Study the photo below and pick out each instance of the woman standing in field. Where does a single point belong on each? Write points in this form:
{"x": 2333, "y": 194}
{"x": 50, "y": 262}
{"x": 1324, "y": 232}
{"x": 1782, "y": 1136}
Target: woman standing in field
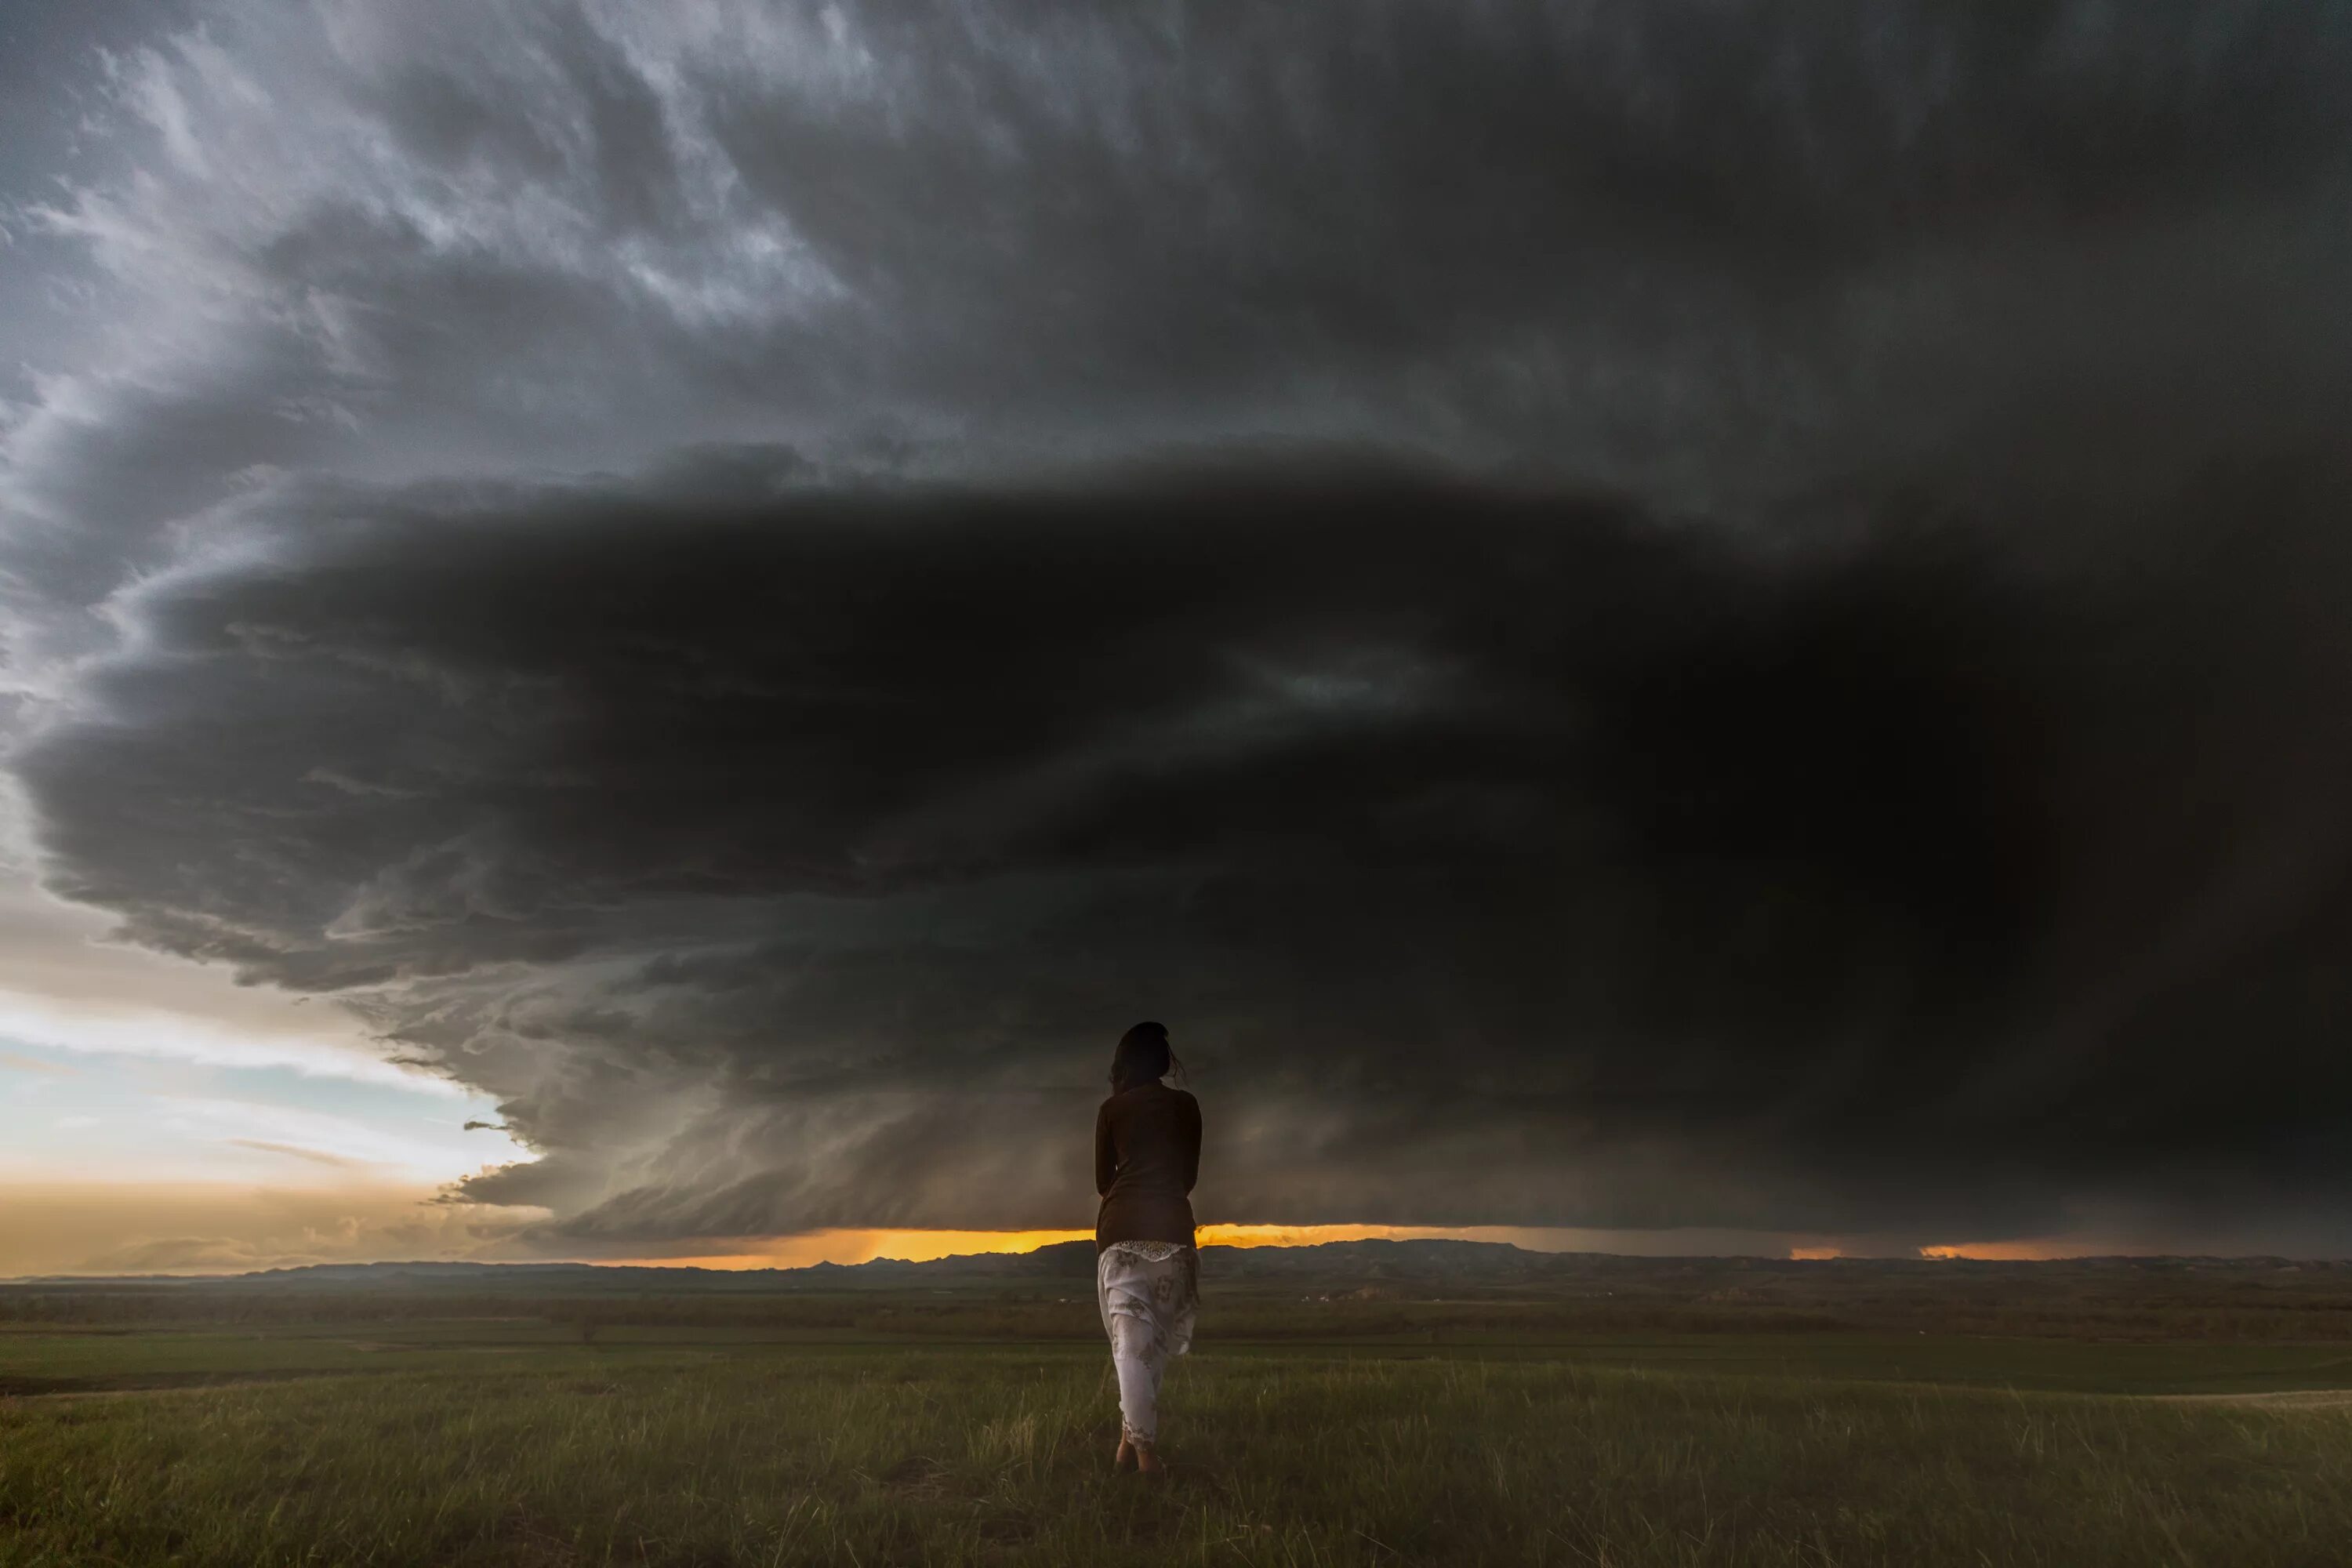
{"x": 1147, "y": 1274}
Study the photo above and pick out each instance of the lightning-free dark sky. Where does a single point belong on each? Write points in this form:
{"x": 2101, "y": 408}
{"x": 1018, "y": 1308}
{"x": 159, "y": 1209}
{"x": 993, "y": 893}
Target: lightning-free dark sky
{"x": 1679, "y": 616}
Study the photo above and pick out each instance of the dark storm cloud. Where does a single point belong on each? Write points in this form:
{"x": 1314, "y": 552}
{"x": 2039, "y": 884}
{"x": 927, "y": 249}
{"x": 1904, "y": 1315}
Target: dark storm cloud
{"x": 1707, "y": 255}
{"x": 1633, "y": 616}
{"x": 1203, "y": 203}
{"x": 788, "y": 858}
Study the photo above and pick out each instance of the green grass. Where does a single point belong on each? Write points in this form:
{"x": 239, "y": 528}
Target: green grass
{"x": 508, "y": 1443}
{"x": 68, "y": 1360}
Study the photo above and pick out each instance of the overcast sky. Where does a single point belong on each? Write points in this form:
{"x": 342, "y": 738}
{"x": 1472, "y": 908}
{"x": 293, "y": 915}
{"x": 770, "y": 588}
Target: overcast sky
{"x": 1645, "y": 622}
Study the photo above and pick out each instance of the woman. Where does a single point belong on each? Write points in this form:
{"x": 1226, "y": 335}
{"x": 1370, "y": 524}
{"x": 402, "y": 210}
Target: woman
{"x": 1147, "y": 1156}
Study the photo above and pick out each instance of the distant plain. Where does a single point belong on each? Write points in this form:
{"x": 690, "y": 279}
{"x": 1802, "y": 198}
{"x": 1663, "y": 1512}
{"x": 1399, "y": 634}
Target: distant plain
{"x": 1358, "y": 1408}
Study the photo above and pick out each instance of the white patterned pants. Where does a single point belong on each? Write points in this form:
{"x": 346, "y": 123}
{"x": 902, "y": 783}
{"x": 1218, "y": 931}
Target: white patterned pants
{"x": 1148, "y": 1291}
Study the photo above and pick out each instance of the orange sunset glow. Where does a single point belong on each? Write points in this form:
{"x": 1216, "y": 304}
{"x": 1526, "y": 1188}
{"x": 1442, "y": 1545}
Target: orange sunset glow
{"x": 850, "y": 1247}
{"x": 2035, "y": 1252}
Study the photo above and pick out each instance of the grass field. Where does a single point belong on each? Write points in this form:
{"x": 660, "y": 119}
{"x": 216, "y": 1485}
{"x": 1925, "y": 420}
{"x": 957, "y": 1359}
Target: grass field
{"x": 515, "y": 1442}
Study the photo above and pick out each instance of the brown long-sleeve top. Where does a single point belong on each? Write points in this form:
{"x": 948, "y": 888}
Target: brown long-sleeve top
{"x": 1147, "y": 1157}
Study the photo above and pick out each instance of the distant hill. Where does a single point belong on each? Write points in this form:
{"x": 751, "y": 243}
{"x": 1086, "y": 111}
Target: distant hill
{"x": 1337, "y": 1290}
{"x": 1432, "y": 1262}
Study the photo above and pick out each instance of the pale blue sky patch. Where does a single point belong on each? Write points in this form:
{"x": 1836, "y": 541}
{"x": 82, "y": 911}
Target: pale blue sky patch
{"x": 108, "y": 1115}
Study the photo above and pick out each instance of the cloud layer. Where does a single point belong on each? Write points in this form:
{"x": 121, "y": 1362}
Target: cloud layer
{"x": 1624, "y": 617}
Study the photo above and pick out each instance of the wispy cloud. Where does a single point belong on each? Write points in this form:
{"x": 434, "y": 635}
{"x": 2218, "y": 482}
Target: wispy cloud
{"x": 11, "y": 1061}
{"x": 296, "y": 1150}
{"x": 87, "y": 1227}
{"x": 68, "y": 985}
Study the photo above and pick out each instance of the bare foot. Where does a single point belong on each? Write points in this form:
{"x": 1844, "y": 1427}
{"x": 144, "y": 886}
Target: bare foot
{"x": 1125, "y": 1459}
{"x": 1147, "y": 1462}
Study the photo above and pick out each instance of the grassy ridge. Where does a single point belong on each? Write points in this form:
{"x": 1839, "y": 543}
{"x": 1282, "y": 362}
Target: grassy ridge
{"x": 1379, "y": 1289}
{"x": 505, "y": 1444}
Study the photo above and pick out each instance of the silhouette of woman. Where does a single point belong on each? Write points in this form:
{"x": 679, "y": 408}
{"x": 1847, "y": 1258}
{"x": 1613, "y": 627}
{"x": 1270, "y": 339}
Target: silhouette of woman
{"x": 1147, "y": 1274}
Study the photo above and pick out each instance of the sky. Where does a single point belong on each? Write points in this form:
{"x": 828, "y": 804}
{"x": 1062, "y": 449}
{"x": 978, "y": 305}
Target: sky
{"x": 638, "y": 633}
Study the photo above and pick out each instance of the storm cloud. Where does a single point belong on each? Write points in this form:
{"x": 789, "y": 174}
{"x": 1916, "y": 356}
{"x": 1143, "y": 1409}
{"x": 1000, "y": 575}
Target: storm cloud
{"x": 1723, "y": 617}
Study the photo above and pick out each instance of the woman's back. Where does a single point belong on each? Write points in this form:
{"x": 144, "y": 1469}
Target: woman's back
{"x": 1147, "y": 1157}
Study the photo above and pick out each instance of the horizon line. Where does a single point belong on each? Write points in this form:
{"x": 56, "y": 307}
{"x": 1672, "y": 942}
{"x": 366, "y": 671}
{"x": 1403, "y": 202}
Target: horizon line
{"x": 1799, "y": 1256}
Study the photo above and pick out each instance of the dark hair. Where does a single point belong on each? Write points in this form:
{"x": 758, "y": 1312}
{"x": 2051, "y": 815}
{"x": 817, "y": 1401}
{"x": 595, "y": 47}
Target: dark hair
{"x": 1142, "y": 1056}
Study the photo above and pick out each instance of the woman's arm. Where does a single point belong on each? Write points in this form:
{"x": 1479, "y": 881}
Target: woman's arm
{"x": 1189, "y": 1129}
{"x": 1106, "y": 1155}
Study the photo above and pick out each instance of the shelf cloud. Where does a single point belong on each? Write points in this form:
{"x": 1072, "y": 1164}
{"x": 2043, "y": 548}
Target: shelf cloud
{"x": 1635, "y": 617}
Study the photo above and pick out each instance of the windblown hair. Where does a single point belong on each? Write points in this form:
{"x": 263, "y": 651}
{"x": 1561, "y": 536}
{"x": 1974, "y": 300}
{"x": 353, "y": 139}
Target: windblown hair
{"x": 1142, "y": 1056}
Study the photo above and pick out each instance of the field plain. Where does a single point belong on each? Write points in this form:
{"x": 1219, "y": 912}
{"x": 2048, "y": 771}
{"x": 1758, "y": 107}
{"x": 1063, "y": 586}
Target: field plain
{"x": 1423, "y": 1422}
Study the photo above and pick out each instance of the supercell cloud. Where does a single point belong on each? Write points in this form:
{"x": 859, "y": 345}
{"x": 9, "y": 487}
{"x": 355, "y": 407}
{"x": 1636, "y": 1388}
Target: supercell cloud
{"x": 1717, "y": 617}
